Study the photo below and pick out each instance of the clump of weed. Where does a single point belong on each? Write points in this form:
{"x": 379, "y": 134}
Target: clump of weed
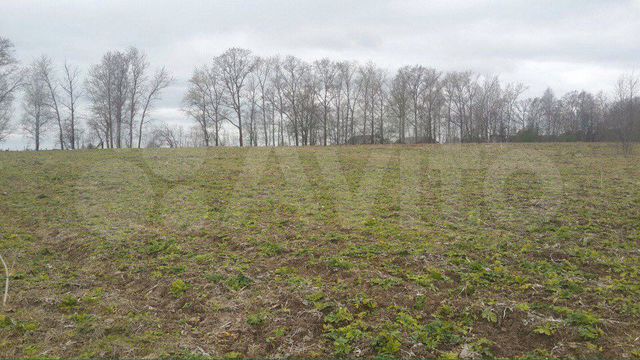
{"x": 179, "y": 288}
{"x": 489, "y": 315}
{"x": 342, "y": 315}
{"x": 5, "y": 321}
{"x": 339, "y": 263}
{"x": 69, "y": 303}
{"x": 363, "y": 302}
{"x": 215, "y": 278}
{"x": 386, "y": 283}
{"x": 388, "y": 341}
{"x": 162, "y": 246}
{"x": 421, "y": 302}
{"x": 432, "y": 335}
{"x": 318, "y": 300}
{"x": 483, "y": 347}
{"x": 271, "y": 249}
{"x": 238, "y": 282}
{"x": 586, "y": 324}
{"x": 258, "y": 319}
{"x": 548, "y": 328}
{"x": 343, "y": 337}
{"x": 233, "y": 355}
{"x": 94, "y": 296}
{"x": 84, "y": 323}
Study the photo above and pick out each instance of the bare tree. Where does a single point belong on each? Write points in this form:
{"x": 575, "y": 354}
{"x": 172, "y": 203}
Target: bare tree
{"x": 326, "y": 71}
{"x": 138, "y": 65}
{"x": 119, "y": 91}
{"x": 370, "y": 82}
{"x": 37, "y": 110}
{"x": 194, "y": 137}
{"x": 120, "y": 63}
{"x": 626, "y": 112}
{"x": 10, "y": 81}
{"x": 264, "y": 70}
{"x": 432, "y": 102}
{"x": 352, "y": 93}
{"x": 214, "y": 89}
{"x": 278, "y": 101}
{"x": 159, "y": 82}
{"x": 47, "y": 74}
{"x": 195, "y": 103}
{"x": 251, "y": 109}
{"x": 170, "y": 136}
{"x": 5, "y": 123}
{"x": 509, "y": 119}
{"x": 107, "y": 90}
{"x": 235, "y": 65}
{"x": 97, "y": 132}
{"x": 399, "y": 102}
{"x": 72, "y": 91}
{"x": 293, "y": 70}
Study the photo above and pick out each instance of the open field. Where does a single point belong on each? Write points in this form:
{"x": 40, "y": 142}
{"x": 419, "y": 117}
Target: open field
{"x": 422, "y": 251}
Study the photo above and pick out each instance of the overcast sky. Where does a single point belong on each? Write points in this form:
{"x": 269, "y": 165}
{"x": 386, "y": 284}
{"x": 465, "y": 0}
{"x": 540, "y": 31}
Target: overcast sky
{"x": 565, "y": 45}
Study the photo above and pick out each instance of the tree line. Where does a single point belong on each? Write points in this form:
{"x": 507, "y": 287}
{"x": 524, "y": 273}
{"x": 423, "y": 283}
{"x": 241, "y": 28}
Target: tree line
{"x": 286, "y": 101}
{"x": 120, "y": 92}
{"x": 248, "y": 100}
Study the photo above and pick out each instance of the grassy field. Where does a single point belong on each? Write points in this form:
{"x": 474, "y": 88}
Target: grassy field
{"x": 453, "y": 251}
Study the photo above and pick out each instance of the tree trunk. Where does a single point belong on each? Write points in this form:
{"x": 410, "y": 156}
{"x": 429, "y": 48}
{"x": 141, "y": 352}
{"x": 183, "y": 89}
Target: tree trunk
{"x": 73, "y": 127}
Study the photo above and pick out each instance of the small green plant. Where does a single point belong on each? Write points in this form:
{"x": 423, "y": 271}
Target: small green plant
{"x": 362, "y": 302}
{"x": 27, "y": 326}
{"x": 279, "y": 332}
{"x": 233, "y": 355}
{"x": 69, "y": 303}
{"x": 343, "y": 337}
{"x": 318, "y": 301}
{"x": 451, "y": 355}
{"x": 339, "y": 263}
{"x": 445, "y": 311}
{"x": 407, "y": 321}
{"x": 590, "y": 332}
{"x": 84, "y": 323}
{"x": 386, "y": 283}
{"x": 388, "y": 342}
{"x": 161, "y": 246}
{"x": 483, "y": 347}
{"x": 440, "y": 332}
{"x": 32, "y": 350}
{"x": 214, "y": 278}
{"x": 421, "y": 302}
{"x": 587, "y": 324}
{"x": 315, "y": 297}
{"x": 271, "y": 249}
{"x": 179, "y": 288}
{"x": 424, "y": 281}
{"x": 94, "y": 296}
{"x": 5, "y": 321}
{"x": 341, "y": 315}
{"x": 238, "y": 282}
{"x": 258, "y": 318}
{"x": 548, "y": 329}
{"x": 489, "y": 315}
